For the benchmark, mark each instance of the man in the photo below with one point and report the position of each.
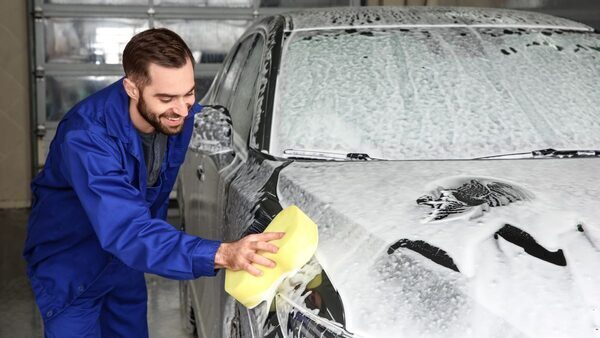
(97, 221)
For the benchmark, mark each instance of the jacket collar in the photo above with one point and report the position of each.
(116, 112)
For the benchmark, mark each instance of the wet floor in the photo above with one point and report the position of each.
(19, 316)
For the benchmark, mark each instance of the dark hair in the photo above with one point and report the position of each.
(156, 45)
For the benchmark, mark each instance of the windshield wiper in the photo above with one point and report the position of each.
(327, 155)
(547, 153)
(565, 153)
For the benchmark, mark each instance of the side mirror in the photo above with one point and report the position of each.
(213, 132)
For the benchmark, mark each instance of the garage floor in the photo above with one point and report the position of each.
(18, 313)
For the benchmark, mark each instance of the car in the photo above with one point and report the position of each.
(447, 155)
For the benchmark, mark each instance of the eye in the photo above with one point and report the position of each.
(190, 93)
(165, 99)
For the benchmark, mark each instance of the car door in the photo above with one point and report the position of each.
(237, 92)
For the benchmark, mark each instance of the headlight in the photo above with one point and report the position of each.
(297, 321)
(306, 306)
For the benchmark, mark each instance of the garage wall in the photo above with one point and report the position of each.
(15, 148)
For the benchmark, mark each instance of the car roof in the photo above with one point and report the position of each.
(423, 16)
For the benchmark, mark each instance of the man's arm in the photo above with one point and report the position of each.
(241, 255)
(122, 222)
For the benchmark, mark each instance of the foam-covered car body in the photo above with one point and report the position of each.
(420, 140)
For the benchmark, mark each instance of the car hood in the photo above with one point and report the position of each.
(493, 248)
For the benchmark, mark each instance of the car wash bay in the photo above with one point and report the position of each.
(54, 53)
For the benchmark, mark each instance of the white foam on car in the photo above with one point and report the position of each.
(437, 93)
(500, 291)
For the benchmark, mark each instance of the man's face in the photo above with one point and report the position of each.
(166, 101)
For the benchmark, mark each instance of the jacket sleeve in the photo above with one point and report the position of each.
(121, 217)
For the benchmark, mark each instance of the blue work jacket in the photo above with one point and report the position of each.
(91, 204)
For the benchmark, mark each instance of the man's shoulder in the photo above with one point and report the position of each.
(95, 115)
(91, 113)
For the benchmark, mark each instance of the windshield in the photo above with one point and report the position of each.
(437, 93)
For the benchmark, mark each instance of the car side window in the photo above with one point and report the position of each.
(243, 101)
(226, 87)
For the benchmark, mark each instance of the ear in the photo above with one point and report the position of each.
(131, 89)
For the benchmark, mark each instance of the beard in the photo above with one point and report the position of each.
(154, 119)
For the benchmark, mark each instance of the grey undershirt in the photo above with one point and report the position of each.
(154, 146)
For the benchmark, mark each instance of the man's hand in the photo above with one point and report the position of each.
(241, 254)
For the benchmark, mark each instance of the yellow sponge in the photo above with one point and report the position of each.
(295, 249)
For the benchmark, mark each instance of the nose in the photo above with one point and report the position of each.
(182, 108)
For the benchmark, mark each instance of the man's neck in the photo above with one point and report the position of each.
(138, 121)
